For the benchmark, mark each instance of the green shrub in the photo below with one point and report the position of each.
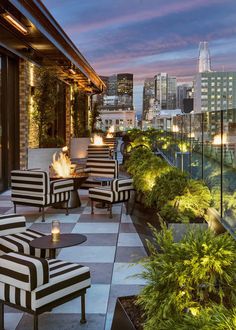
(145, 174)
(191, 205)
(137, 158)
(167, 186)
(186, 280)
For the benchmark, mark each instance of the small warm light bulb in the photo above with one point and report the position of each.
(55, 231)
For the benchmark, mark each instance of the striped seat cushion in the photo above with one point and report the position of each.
(66, 279)
(19, 242)
(22, 271)
(11, 224)
(119, 191)
(107, 195)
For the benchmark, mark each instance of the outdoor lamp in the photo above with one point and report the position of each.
(55, 231)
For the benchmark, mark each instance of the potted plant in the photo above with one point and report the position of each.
(190, 284)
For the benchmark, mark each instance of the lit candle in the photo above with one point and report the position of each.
(55, 231)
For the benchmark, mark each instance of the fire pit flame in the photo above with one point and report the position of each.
(61, 165)
(110, 131)
(97, 140)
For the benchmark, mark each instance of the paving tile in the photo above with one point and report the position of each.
(3, 210)
(101, 239)
(115, 210)
(109, 319)
(96, 301)
(121, 291)
(125, 273)
(77, 210)
(83, 254)
(101, 273)
(125, 218)
(96, 228)
(129, 239)
(6, 203)
(63, 322)
(129, 254)
(46, 227)
(61, 217)
(11, 320)
(5, 197)
(127, 228)
(99, 218)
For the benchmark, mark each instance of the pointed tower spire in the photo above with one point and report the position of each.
(204, 61)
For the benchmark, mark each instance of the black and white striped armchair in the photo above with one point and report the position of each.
(106, 168)
(36, 285)
(99, 151)
(34, 188)
(15, 237)
(117, 192)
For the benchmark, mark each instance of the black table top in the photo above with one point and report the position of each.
(66, 240)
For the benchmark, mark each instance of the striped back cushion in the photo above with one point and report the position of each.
(30, 182)
(22, 271)
(102, 167)
(12, 224)
(119, 185)
(97, 151)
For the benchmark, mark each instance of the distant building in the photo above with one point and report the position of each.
(214, 91)
(116, 108)
(148, 96)
(125, 89)
(121, 118)
(181, 95)
(204, 60)
(165, 91)
(112, 85)
(188, 100)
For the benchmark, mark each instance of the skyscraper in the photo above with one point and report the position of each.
(125, 88)
(204, 61)
(165, 91)
(148, 95)
(214, 91)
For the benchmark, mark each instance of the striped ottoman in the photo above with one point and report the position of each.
(36, 285)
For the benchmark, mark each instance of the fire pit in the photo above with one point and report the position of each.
(62, 167)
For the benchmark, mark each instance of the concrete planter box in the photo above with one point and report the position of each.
(121, 320)
(41, 157)
(78, 147)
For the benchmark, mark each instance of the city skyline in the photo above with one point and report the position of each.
(147, 37)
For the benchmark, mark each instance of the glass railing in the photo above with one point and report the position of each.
(204, 145)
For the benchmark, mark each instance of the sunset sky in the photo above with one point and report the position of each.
(145, 37)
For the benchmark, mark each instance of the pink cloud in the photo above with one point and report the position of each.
(140, 16)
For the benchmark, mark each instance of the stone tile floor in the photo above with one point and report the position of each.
(110, 251)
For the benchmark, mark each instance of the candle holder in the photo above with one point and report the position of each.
(55, 231)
